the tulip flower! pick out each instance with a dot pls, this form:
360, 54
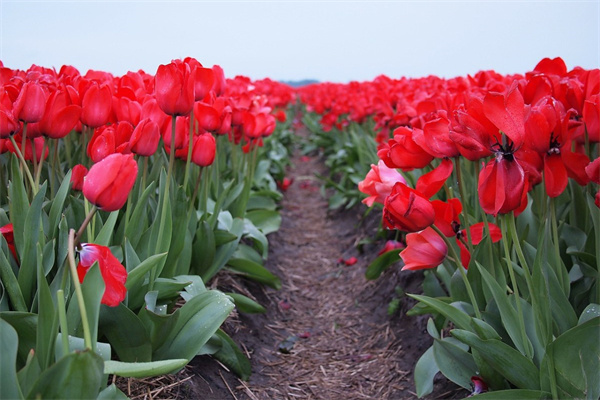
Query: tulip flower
391, 245
424, 249
207, 117
96, 105
204, 150
108, 182
113, 272
29, 106
407, 210
145, 138
60, 115
174, 88
379, 182
430, 183
38, 145
9, 125
403, 152
7, 232
77, 174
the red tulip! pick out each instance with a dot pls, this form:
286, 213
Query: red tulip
113, 272
174, 88
30, 105
207, 117
102, 143
203, 152
38, 145
502, 185
60, 115
379, 182
424, 249
145, 138
77, 174
96, 105
9, 125
446, 216
407, 210
593, 171
7, 232
285, 183
402, 152
220, 83
108, 182
391, 245
430, 183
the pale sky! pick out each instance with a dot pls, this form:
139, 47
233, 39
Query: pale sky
334, 41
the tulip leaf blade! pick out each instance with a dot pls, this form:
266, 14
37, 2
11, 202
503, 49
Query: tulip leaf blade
143, 369
454, 361
426, 369
58, 204
126, 333
381, 263
254, 271
9, 384
521, 394
460, 319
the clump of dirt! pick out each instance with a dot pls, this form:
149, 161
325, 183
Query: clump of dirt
327, 333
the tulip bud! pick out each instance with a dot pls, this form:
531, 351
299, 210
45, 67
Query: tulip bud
108, 182
77, 174
113, 272
203, 152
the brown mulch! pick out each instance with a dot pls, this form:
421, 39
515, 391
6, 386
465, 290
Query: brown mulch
341, 343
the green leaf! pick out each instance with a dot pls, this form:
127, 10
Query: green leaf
510, 363
180, 221
459, 318
28, 269
136, 276
425, 371
76, 376
104, 236
18, 205
381, 263
232, 357
198, 319
254, 271
112, 393
245, 304
47, 321
137, 217
509, 316
204, 247
268, 221
58, 204
143, 369
454, 362
259, 239
26, 326
78, 344
9, 343
521, 394
591, 311
224, 252
11, 285
573, 362
126, 333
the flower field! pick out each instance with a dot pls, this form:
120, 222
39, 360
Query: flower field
127, 201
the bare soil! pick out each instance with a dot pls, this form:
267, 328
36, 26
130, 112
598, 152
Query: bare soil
341, 342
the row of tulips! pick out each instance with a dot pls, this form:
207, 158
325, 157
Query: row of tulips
491, 184
120, 198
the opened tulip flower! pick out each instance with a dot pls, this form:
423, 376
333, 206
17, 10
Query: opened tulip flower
108, 182
379, 182
424, 249
113, 272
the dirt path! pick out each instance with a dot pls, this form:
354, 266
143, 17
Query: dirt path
326, 334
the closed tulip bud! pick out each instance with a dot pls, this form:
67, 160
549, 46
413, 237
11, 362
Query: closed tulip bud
96, 105
203, 152
102, 143
113, 272
174, 88
407, 210
145, 138
60, 116
108, 182
425, 249
77, 174
30, 105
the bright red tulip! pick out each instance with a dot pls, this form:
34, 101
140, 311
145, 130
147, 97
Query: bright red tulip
391, 245
207, 117
220, 83
77, 174
7, 232
174, 88
402, 151
38, 145
203, 152
379, 182
424, 249
102, 143
593, 171
29, 106
60, 115
502, 185
430, 183
108, 182
9, 125
447, 216
407, 210
96, 105
113, 272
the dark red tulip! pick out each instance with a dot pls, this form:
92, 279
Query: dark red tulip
407, 210
77, 174
108, 182
502, 185
113, 272
9, 125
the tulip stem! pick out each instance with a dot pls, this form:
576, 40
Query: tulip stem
515, 287
191, 207
23, 163
463, 198
463, 274
38, 168
87, 337
190, 147
84, 225
62, 318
